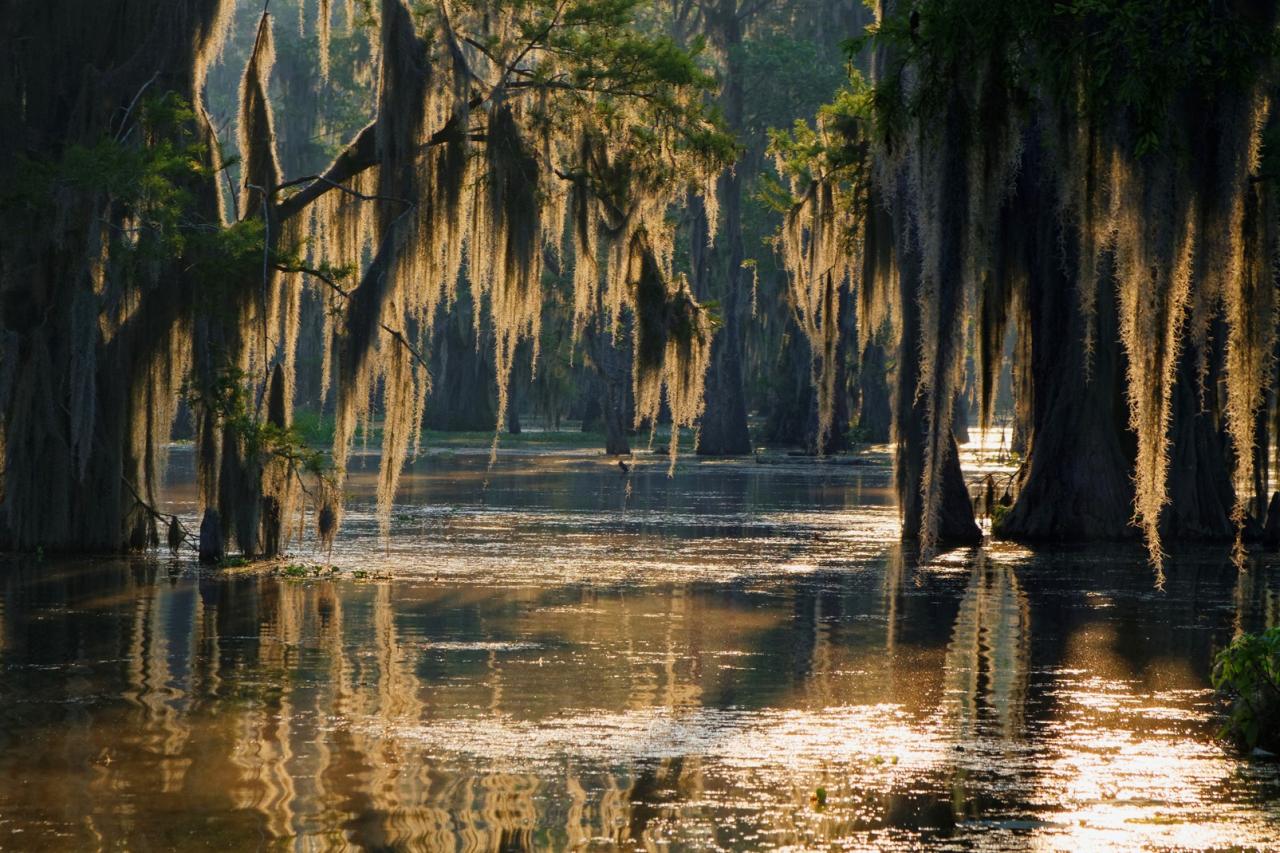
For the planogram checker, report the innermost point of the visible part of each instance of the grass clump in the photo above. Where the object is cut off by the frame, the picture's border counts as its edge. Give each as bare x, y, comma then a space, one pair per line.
305, 570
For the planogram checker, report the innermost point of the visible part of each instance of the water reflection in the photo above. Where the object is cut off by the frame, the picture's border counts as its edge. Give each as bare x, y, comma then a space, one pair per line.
989, 655
988, 699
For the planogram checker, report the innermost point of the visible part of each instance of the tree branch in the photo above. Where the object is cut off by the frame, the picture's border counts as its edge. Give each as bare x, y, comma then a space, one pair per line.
341, 188
328, 279
360, 155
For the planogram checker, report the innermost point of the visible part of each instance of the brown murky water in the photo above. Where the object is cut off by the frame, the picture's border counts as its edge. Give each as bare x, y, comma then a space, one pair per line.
736, 658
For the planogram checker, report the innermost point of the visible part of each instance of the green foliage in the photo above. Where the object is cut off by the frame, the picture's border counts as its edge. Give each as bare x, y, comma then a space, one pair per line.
219, 262
819, 798
228, 397
833, 148
298, 571
315, 429
147, 170
628, 83
858, 435
787, 78
833, 151
1248, 671
1128, 57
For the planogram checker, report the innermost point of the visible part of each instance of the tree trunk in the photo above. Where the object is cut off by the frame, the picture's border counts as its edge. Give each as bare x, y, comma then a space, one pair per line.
86, 417
1076, 478
1020, 382
516, 384
837, 438
956, 524
592, 408
612, 367
1200, 494
723, 429
791, 399
875, 412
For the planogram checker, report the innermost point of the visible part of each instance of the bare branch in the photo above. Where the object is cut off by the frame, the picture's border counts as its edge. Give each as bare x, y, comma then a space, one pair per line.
124, 122
360, 155
533, 42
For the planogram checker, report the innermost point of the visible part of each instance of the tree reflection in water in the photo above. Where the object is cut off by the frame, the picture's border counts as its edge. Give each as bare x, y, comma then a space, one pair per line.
988, 697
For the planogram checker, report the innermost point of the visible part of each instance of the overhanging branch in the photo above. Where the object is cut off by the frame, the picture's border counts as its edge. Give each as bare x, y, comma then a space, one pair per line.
360, 155
333, 285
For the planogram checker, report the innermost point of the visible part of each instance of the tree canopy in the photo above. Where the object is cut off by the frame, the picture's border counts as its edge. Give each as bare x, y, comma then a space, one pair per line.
503, 132
1138, 125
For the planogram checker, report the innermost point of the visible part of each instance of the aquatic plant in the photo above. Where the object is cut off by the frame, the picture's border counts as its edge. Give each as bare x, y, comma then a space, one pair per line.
1248, 673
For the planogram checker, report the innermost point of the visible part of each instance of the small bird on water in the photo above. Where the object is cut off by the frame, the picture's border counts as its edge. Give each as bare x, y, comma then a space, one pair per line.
622, 463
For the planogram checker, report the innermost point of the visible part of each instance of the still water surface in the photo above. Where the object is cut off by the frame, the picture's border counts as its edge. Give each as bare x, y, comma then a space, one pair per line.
567, 657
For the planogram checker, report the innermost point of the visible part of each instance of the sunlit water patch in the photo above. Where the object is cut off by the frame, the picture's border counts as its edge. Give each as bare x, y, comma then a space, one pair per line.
738, 657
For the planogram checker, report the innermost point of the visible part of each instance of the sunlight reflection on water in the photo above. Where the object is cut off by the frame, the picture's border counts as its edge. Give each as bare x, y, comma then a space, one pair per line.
555, 664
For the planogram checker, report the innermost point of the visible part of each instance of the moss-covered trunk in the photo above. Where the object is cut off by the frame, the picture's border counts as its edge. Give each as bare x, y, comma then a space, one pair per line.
1076, 480
1200, 493
723, 430
956, 524
88, 388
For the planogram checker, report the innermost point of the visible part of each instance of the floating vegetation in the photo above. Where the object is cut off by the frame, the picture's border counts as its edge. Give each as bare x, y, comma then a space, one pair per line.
306, 570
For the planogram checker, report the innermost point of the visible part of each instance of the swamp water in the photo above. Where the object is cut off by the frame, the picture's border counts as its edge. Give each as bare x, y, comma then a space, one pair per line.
543, 658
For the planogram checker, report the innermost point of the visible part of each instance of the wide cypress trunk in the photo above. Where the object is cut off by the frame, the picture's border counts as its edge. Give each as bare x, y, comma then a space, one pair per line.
723, 429
1200, 492
1075, 483
85, 413
956, 524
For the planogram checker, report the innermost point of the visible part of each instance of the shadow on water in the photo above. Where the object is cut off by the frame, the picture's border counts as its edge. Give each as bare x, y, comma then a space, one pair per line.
557, 664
